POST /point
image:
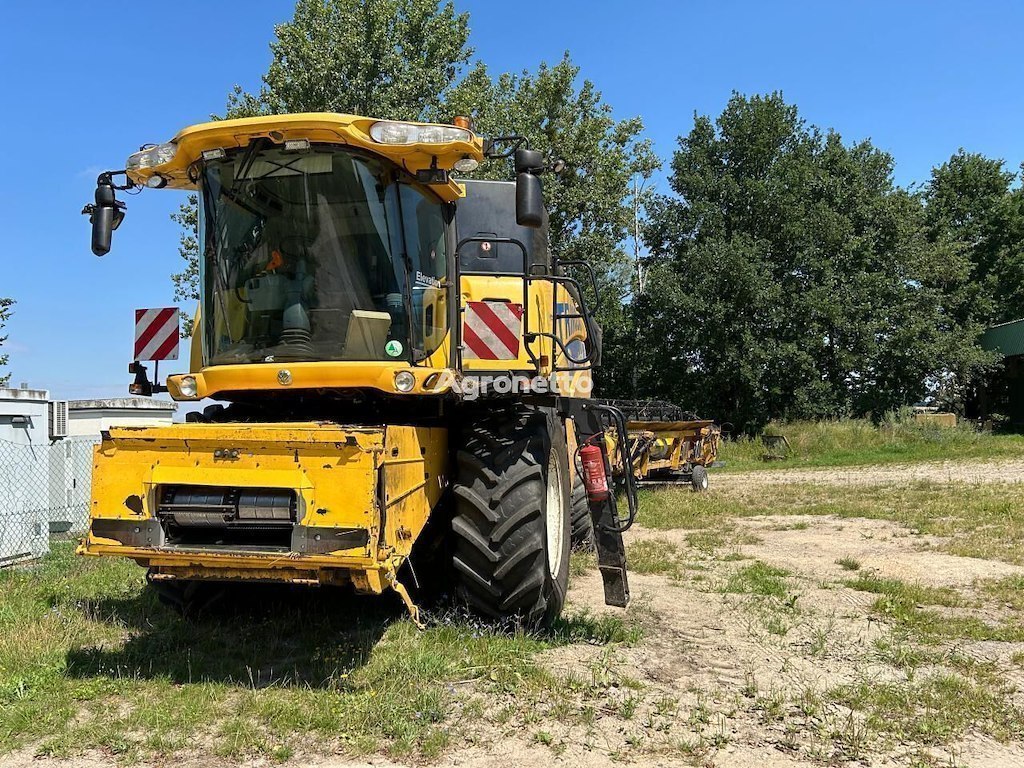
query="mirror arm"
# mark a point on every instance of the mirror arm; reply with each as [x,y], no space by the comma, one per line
[107,178]
[105,181]
[513,142]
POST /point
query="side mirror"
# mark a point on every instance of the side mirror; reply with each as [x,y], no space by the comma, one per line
[529,201]
[529,161]
[105,215]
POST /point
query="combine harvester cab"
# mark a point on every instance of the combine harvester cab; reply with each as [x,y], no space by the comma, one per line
[402,372]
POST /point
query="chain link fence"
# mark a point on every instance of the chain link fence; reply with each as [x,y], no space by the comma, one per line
[44,493]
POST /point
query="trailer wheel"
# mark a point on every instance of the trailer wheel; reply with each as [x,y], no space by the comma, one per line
[582,523]
[699,478]
[511,525]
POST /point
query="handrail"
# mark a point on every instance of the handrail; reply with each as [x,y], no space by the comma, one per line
[528,275]
[622,446]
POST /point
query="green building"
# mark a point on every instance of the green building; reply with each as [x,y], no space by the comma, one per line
[1004,393]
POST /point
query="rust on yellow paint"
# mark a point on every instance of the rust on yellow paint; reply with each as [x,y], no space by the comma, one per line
[666,445]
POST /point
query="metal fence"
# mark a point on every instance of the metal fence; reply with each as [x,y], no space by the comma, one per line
[44,493]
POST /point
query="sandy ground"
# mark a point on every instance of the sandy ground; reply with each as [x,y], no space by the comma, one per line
[892,474]
[716,680]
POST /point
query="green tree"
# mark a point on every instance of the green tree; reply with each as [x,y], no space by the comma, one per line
[383,58]
[591,201]
[975,216]
[1010,259]
[5,313]
[972,211]
[791,278]
[186,282]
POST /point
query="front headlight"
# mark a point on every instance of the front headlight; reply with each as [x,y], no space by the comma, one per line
[404,381]
[390,132]
[152,156]
[187,386]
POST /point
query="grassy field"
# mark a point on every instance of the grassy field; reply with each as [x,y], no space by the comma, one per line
[859,442]
[922,686]
[90,662]
[976,520]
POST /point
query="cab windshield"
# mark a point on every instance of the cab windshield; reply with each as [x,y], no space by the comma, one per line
[318,254]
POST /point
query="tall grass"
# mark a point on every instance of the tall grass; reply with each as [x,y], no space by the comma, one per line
[898,438]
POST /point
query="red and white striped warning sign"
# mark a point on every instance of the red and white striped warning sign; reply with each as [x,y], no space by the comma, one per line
[156,334]
[491,330]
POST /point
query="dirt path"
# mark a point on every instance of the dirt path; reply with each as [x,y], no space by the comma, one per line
[733,681]
[736,681]
[754,678]
[893,474]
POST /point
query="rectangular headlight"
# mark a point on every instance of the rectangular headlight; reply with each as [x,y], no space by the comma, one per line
[152,156]
[390,132]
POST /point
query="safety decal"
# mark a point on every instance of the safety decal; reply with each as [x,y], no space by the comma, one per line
[156,334]
[491,330]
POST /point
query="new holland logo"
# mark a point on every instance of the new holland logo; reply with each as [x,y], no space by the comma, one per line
[491,330]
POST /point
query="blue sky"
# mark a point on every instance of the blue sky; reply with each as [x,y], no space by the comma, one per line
[84,85]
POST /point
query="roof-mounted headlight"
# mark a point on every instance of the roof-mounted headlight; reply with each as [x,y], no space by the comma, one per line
[389,132]
[152,156]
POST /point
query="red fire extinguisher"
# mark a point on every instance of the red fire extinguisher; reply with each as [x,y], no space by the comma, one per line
[594,477]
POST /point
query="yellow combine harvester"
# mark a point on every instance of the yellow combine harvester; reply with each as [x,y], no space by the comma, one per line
[402,372]
[666,444]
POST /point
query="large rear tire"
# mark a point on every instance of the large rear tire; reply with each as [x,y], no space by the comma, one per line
[511,528]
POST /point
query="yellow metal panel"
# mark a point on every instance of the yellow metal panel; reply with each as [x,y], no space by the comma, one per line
[413,477]
[324,127]
[332,468]
[366,573]
[538,316]
[542,301]
[434,322]
[337,471]
[195,347]
[214,380]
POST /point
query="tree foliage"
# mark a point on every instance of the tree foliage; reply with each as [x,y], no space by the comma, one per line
[975,215]
[383,58]
[5,313]
[590,201]
[186,282]
[973,210]
[791,278]
[567,119]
